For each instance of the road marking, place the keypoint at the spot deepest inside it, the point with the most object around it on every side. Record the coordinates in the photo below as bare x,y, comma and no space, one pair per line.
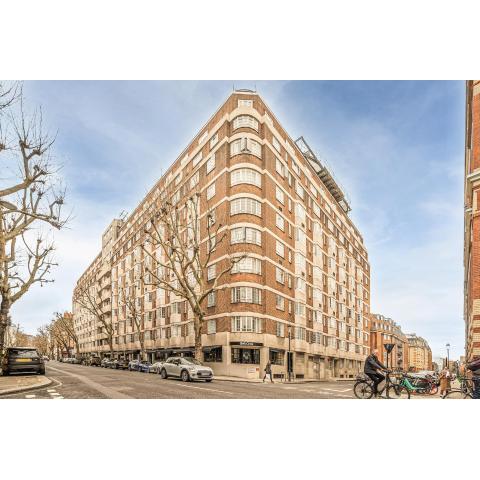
203,388
30,396
289,388
57,398
51,390
54,394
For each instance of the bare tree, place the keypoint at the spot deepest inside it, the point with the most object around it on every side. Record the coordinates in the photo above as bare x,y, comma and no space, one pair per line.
179,244
43,342
85,296
134,312
64,322
60,335
30,202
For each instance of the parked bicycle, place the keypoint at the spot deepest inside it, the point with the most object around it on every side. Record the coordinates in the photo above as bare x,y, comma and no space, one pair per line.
465,392
363,388
419,385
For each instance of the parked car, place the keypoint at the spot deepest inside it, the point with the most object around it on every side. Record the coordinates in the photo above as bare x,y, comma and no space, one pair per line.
133,364
45,358
94,362
119,364
144,366
157,367
187,369
22,360
105,362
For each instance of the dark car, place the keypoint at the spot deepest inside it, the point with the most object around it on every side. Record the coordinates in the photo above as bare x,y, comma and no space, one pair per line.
119,364
106,362
94,361
139,365
144,366
23,360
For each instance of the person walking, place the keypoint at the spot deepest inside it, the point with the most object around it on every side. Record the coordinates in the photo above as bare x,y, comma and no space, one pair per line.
445,382
372,369
474,367
268,371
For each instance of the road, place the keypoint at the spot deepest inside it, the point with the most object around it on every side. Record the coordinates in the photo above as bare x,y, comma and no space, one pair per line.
78,381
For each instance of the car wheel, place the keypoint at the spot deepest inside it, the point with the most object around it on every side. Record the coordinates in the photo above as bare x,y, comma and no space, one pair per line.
163,373
185,376
209,380
41,372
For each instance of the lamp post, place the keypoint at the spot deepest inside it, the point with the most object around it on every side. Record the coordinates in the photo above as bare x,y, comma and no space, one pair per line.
289,354
448,356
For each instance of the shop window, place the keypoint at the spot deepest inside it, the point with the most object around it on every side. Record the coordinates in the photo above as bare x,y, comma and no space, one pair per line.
246,355
276,357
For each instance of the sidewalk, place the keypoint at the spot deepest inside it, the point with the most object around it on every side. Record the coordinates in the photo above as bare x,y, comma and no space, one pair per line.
22,383
277,380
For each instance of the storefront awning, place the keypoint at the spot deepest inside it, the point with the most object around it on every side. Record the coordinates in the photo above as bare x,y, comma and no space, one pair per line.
209,349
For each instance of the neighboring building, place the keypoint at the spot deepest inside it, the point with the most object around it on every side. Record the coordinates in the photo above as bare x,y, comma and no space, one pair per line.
419,353
384,330
307,281
15,337
471,258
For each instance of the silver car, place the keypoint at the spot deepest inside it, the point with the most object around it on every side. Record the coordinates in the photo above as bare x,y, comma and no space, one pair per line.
187,369
157,367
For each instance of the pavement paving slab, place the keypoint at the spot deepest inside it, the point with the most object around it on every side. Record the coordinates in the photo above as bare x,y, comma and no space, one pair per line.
22,383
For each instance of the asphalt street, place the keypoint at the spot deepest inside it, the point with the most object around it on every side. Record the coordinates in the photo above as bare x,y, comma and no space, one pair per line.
78,381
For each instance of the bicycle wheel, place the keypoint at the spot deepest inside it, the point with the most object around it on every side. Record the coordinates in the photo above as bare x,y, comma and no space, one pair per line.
398,392
363,390
458,395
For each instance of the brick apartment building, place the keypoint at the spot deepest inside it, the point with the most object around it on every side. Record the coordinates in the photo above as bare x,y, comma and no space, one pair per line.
471,256
305,285
384,330
419,353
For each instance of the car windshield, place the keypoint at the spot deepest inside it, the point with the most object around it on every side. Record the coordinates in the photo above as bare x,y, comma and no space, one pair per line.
23,353
192,361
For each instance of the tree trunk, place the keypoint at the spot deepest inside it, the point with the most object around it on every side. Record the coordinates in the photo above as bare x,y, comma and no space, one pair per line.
4,313
198,323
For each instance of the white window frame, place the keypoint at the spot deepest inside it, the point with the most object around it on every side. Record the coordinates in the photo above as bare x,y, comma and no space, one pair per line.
211,191
210,165
245,205
245,121
245,175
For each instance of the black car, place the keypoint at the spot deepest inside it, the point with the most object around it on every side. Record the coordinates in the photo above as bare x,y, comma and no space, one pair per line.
94,361
119,363
23,360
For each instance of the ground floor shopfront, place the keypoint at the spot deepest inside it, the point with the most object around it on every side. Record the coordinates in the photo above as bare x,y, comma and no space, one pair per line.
246,356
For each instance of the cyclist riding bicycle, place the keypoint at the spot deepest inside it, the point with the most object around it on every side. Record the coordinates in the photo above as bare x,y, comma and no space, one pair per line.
372,369
474,367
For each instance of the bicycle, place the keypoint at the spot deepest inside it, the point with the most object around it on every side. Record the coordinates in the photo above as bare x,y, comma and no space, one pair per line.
363,388
419,386
465,392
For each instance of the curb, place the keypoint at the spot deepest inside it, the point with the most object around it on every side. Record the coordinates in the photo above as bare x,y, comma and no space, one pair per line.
12,391
240,380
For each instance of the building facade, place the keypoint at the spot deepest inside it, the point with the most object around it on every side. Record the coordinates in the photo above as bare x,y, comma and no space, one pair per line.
304,287
419,353
383,331
472,221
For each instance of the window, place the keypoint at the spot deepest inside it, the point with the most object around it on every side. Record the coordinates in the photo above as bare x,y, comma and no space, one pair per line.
211,191
280,167
300,212
211,327
212,354
295,167
211,272
276,143
211,299
194,180
246,355
203,137
248,265
300,333
246,324
246,205
197,158
280,222
280,275
246,145
214,140
276,357
246,295
245,175
279,195
299,309
210,164
280,329
245,121
245,103
279,302
280,249
300,191
246,235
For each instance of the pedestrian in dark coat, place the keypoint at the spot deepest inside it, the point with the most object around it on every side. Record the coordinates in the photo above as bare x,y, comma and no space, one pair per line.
268,371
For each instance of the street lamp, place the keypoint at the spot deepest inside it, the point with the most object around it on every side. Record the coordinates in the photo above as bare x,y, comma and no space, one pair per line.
289,354
448,355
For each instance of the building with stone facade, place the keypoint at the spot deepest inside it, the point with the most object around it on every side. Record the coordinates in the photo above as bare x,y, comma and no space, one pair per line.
471,258
384,330
419,353
304,287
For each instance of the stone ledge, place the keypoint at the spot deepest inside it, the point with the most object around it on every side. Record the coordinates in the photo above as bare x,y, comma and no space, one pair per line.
17,383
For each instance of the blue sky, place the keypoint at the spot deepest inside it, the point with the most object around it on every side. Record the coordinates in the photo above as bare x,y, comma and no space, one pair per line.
396,147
